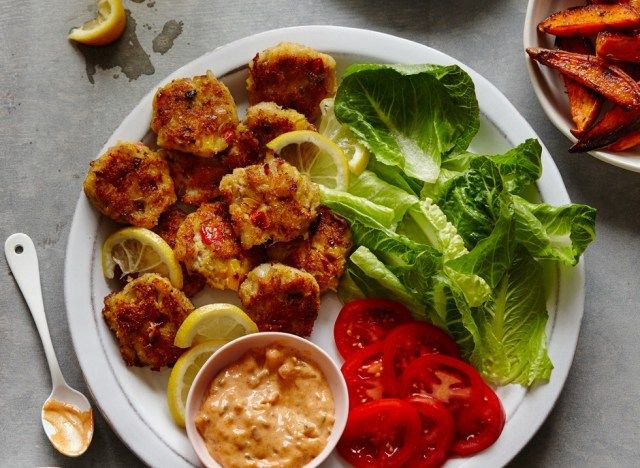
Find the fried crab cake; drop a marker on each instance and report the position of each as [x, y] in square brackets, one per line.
[194, 115]
[130, 184]
[207, 244]
[167, 228]
[145, 316]
[268, 120]
[323, 253]
[271, 201]
[244, 151]
[196, 179]
[292, 75]
[281, 298]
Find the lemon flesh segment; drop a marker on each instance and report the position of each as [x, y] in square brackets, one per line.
[182, 375]
[138, 251]
[355, 152]
[315, 155]
[105, 28]
[219, 322]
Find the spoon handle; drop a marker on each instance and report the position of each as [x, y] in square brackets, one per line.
[23, 261]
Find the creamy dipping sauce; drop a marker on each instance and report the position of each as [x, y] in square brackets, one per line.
[73, 428]
[271, 408]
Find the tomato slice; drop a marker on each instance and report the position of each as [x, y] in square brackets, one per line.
[447, 379]
[363, 374]
[438, 433]
[380, 433]
[478, 425]
[408, 342]
[365, 321]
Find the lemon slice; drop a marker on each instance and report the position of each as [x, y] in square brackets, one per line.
[182, 375]
[356, 153]
[219, 322]
[138, 250]
[315, 155]
[105, 28]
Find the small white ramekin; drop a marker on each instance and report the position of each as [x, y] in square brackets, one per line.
[232, 352]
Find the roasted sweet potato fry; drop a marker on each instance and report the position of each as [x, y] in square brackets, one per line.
[584, 104]
[590, 19]
[618, 46]
[626, 142]
[593, 72]
[614, 125]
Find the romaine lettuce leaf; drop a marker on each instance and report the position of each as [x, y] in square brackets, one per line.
[410, 116]
[550, 232]
[511, 342]
[368, 185]
[353, 208]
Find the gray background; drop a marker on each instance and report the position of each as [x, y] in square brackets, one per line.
[53, 121]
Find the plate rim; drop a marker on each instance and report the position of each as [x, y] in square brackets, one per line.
[531, 38]
[538, 402]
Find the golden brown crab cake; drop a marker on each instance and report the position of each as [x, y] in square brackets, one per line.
[130, 184]
[167, 228]
[292, 75]
[244, 151]
[270, 202]
[145, 317]
[323, 253]
[207, 244]
[196, 179]
[194, 115]
[281, 298]
[267, 120]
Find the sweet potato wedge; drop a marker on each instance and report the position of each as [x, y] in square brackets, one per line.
[594, 73]
[618, 46]
[614, 125]
[584, 104]
[626, 142]
[590, 19]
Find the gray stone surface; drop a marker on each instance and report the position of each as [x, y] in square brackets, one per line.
[53, 121]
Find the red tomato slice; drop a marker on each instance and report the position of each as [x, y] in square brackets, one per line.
[438, 433]
[408, 342]
[380, 433]
[366, 321]
[478, 425]
[363, 374]
[444, 378]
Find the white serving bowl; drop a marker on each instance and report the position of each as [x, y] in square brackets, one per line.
[232, 352]
[548, 84]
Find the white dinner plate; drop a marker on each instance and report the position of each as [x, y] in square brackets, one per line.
[133, 399]
[549, 87]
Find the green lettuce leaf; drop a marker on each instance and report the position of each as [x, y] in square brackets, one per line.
[352, 208]
[410, 116]
[510, 346]
[367, 185]
[549, 232]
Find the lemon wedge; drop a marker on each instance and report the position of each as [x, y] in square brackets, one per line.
[315, 155]
[182, 375]
[105, 28]
[139, 250]
[356, 153]
[218, 322]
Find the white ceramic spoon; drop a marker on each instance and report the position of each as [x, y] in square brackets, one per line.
[66, 415]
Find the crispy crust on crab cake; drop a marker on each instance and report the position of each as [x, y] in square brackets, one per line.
[292, 75]
[196, 179]
[244, 151]
[207, 244]
[281, 298]
[323, 253]
[267, 120]
[130, 184]
[271, 201]
[167, 228]
[195, 115]
[145, 316]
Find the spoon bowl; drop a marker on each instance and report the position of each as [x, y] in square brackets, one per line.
[67, 418]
